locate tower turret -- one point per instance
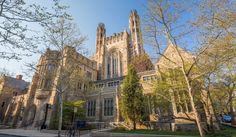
(136, 34)
(101, 35)
(100, 50)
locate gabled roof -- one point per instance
(169, 49)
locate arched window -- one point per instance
(114, 64)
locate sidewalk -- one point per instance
(33, 133)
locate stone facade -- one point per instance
(113, 53)
(13, 93)
(42, 96)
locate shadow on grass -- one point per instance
(156, 132)
(225, 132)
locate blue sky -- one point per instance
(87, 14)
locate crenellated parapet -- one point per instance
(116, 37)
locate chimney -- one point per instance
(19, 77)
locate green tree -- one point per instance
(132, 97)
(73, 110)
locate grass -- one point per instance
(156, 132)
(225, 132)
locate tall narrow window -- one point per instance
(108, 67)
(91, 108)
(113, 66)
(108, 107)
(99, 75)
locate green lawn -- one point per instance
(225, 132)
(156, 132)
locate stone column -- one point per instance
(98, 116)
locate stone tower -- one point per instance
(135, 32)
(100, 49)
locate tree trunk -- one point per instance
(198, 122)
(233, 121)
(60, 114)
(212, 121)
(134, 120)
(134, 125)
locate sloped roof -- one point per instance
(187, 55)
(16, 84)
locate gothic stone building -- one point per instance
(106, 69)
(12, 96)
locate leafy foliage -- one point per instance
(132, 97)
(171, 79)
(68, 111)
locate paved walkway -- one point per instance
(33, 133)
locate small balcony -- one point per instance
(41, 94)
